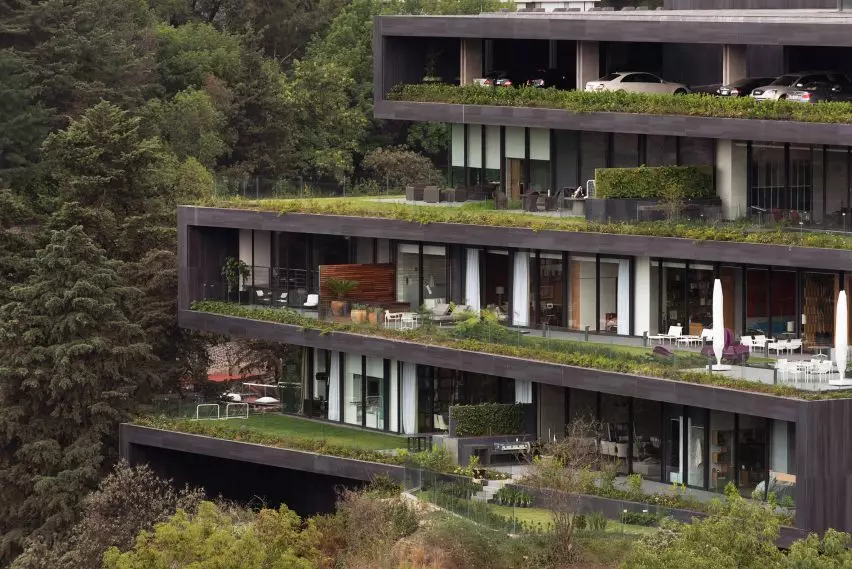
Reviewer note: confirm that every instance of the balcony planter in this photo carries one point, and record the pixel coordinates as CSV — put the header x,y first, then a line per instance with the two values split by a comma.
x,y
627,210
358,314
340,288
374,315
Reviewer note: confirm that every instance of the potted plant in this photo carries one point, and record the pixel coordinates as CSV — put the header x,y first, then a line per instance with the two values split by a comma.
x,y
358,314
233,271
375,314
340,288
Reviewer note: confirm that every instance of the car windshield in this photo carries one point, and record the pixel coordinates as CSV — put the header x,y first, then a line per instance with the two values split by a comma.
x,y
610,77
785,80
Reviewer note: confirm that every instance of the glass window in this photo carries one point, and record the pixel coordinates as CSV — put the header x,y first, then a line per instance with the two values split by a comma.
x,y
767,177
425,398
615,416
353,402
757,308
497,271
614,312
582,405
540,176
319,404
721,450
700,298
374,400
751,453
435,285
593,152
661,150
673,300
647,447
782,461
407,274
732,290
625,151
582,291
818,308
674,435
551,293
697,449
783,306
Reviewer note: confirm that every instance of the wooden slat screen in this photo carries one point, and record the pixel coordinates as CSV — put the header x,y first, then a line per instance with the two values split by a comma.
x,y
376,283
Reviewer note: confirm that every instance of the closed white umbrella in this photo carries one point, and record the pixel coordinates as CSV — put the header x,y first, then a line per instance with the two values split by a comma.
x,y
718,325
841,340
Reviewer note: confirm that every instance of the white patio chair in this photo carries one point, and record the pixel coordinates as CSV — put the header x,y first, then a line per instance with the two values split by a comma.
x,y
393,319
782,367
795,344
673,334
822,370
409,320
778,346
689,340
747,341
761,341
312,301
706,335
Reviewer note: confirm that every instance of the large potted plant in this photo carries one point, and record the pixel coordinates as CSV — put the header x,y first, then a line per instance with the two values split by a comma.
x,y
233,270
340,288
375,315
358,314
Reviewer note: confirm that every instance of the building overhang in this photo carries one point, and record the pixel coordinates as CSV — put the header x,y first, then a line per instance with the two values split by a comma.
x,y
749,27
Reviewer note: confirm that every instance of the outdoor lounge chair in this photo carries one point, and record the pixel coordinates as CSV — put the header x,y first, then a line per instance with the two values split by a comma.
x,y
732,353
312,301
673,334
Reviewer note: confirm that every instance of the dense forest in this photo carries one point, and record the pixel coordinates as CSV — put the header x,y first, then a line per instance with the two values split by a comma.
x,y
111,114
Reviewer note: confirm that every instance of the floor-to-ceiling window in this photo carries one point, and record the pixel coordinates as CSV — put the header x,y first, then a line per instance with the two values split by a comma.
x,y
353,400
699,298
582,293
722,435
318,406
673,290
408,274
675,444
647,446
615,421
818,307
435,274
497,278
551,288
374,396
696,428
751,452
783,302
757,302
614,296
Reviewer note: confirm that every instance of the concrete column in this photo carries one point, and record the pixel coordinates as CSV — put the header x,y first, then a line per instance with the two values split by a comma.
x,y
471,60
734,63
646,297
731,178
588,62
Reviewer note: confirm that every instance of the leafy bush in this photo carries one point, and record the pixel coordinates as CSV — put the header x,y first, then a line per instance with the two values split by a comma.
x,y
438,459
399,166
640,518
596,521
655,183
487,419
622,102
511,496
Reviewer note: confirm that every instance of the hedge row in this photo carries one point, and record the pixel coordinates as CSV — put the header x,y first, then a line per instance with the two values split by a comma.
x,y
655,183
621,102
733,232
487,419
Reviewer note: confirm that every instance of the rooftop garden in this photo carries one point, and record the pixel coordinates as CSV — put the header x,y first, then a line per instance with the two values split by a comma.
x,y
480,213
621,102
486,335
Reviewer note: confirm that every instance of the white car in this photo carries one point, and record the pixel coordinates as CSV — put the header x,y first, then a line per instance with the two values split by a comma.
x,y
636,82
783,86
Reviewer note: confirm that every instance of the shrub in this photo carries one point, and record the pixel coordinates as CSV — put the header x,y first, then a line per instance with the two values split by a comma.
x,y
640,518
668,183
437,459
399,166
511,496
487,419
596,521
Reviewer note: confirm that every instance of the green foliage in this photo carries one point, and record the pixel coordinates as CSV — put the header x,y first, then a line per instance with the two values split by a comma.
x,y
564,352
511,496
340,288
235,432
431,138
596,521
70,362
487,419
623,102
275,539
187,55
384,486
398,167
233,271
437,459
661,182
647,519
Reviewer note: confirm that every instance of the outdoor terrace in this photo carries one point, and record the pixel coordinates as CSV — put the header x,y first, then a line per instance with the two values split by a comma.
x,y
470,332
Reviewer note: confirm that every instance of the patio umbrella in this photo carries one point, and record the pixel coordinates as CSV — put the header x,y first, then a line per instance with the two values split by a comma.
x,y
841,340
718,325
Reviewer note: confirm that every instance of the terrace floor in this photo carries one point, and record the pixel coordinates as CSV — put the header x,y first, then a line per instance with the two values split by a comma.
x,y
479,205
288,425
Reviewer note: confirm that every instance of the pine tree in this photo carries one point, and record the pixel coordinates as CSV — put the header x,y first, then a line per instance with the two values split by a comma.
x,y
70,361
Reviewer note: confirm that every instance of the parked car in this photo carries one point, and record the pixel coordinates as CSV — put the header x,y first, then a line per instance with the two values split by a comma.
x,y
494,79
817,92
636,82
544,78
782,86
743,87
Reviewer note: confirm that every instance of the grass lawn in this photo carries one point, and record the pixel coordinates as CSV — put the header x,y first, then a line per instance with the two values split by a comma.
x,y
542,516
275,424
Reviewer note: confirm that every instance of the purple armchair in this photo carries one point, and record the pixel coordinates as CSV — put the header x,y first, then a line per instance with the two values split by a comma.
x,y
732,354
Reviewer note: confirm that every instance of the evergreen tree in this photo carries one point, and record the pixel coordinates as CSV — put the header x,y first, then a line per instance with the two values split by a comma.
x,y
16,242
70,361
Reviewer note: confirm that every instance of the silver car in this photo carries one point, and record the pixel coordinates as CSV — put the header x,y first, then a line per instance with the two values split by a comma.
x,y
785,85
636,82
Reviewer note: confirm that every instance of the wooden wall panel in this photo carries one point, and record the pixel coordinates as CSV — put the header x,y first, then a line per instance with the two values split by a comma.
x,y
376,283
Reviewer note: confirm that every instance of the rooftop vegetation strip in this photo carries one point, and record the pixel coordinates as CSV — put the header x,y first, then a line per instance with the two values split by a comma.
x,y
621,102
477,213
490,337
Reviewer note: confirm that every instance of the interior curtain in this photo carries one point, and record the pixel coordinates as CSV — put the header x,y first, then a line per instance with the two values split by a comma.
x,y
521,289
334,387
471,283
523,391
624,309
409,398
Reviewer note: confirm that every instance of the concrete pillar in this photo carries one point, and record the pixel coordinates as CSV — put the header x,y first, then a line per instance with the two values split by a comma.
x,y
588,62
646,297
734,63
471,60
731,178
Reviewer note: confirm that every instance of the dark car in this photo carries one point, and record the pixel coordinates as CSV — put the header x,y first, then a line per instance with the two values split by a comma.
x,y
495,79
544,78
743,87
818,92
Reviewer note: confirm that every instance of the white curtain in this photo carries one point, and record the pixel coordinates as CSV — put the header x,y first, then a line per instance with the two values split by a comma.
x,y
523,391
624,309
334,388
471,284
409,398
521,289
